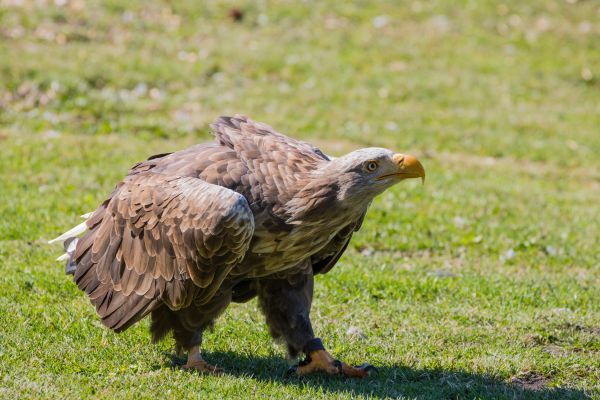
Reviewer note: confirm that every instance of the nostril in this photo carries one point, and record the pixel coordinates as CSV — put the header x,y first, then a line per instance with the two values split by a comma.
x,y
399,159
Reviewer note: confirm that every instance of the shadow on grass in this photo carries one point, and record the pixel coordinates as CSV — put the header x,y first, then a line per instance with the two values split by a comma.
x,y
395,381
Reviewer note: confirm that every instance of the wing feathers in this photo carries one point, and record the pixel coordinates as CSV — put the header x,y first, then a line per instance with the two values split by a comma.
x,y
157,235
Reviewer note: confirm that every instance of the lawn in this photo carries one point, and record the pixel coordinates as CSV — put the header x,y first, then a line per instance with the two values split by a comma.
x,y
483,283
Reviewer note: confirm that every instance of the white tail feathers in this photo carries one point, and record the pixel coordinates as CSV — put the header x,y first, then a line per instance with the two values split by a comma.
x,y
70,245
76,231
64,257
71,234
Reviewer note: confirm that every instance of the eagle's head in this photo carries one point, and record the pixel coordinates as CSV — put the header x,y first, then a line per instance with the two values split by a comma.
x,y
365,173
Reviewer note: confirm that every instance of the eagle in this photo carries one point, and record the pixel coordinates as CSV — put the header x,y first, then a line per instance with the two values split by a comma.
x,y
253,213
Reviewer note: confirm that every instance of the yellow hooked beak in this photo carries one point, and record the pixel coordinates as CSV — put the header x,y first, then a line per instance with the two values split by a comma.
x,y
408,167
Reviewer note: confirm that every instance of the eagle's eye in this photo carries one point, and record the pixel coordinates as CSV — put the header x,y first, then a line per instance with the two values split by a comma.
x,y
371,165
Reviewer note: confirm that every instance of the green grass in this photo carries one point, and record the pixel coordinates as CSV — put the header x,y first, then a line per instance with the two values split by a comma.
x,y
484,283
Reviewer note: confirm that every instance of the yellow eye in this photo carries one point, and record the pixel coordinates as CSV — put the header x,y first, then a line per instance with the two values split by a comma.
x,y
371,166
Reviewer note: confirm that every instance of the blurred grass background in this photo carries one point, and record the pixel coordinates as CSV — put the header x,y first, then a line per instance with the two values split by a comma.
x,y
484,283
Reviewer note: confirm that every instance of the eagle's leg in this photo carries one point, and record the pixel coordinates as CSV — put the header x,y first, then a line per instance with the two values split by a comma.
x,y
195,361
191,340
286,303
187,326
192,321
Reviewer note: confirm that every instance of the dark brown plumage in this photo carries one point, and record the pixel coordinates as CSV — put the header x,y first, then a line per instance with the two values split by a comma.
x,y
254,213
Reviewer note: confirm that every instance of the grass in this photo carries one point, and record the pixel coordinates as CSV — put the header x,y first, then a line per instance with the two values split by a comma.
x,y
484,283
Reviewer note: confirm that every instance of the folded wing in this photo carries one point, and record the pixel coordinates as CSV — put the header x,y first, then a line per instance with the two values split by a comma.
x,y
160,240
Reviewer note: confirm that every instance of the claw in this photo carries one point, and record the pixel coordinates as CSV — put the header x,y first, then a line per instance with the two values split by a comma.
x,y
368,368
291,371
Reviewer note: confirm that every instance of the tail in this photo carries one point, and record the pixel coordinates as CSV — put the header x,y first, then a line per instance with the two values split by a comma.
x,y
70,239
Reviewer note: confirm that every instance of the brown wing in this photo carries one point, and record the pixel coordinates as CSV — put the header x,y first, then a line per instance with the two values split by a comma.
x,y
325,260
254,140
248,157
276,166
160,239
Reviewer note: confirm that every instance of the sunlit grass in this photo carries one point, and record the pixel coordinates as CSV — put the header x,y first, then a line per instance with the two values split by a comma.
x,y
481,284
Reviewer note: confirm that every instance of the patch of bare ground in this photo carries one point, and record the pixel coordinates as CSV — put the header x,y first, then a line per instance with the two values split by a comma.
x,y
531,380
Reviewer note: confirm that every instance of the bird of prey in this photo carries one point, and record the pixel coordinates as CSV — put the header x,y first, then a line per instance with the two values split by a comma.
x,y
252,214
